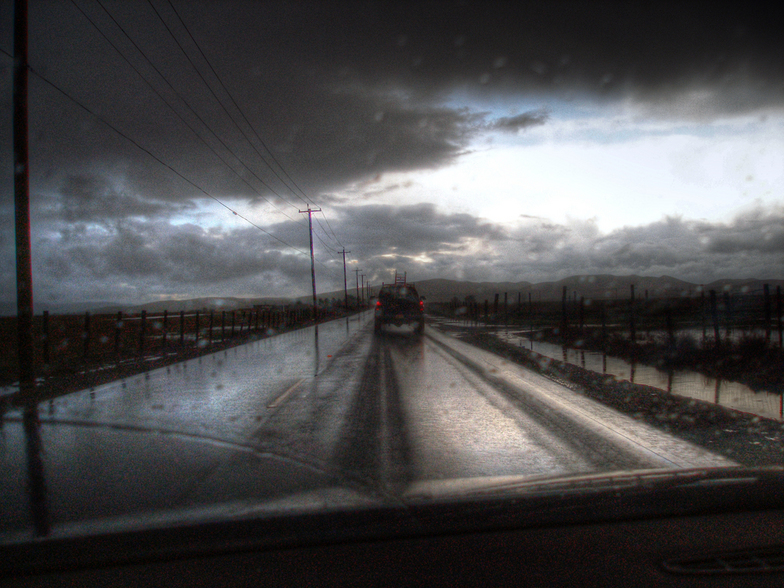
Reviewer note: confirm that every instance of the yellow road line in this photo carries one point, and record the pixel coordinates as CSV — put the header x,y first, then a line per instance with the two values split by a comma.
x,y
282,398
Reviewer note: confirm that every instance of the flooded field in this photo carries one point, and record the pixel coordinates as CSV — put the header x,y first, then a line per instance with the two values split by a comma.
x,y
682,382
685,383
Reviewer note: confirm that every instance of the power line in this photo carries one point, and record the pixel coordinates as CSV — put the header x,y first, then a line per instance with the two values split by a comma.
x,y
184,102
156,158
324,244
223,107
330,229
163,163
242,114
169,167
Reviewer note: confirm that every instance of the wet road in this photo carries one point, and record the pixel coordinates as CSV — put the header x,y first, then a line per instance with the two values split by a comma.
x,y
302,411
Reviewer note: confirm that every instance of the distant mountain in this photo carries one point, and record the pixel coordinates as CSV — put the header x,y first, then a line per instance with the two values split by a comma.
x,y
440,290
443,290
190,305
193,304
596,287
9,308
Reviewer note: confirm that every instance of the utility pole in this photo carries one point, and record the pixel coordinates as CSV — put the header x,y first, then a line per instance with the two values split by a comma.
x,y
310,212
362,276
24,279
345,287
24,271
357,273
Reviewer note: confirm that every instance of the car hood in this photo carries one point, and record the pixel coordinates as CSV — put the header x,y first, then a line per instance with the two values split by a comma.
x,y
88,478
85,475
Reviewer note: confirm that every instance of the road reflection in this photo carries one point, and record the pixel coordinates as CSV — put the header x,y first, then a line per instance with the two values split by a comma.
x,y
35,471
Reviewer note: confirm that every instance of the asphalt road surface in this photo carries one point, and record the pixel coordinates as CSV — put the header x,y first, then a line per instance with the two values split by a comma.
x,y
338,407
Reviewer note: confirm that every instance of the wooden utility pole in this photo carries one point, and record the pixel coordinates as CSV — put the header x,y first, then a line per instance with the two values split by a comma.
x,y
24,279
345,283
766,294
310,212
564,320
24,271
357,275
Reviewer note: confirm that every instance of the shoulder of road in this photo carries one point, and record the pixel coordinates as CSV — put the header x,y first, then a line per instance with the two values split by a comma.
x,y
745,438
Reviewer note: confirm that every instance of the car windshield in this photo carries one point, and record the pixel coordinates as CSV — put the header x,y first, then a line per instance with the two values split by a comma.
x,y
212,197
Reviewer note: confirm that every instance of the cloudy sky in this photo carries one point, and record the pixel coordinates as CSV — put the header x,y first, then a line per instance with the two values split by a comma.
x,y
461,140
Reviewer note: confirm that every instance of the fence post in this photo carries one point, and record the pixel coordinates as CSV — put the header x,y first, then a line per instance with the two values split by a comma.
x,y
766,291
631,318
212,319
142,326
117,334
715,318
223,326
564,323
196,342
46,341
86,335
727,315
182,328
232,324
165,326
704,321
495,309
670,329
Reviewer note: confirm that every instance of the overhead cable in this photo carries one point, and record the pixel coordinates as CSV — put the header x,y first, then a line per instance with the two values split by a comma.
x,y
159,160
186,104
304,197
223,107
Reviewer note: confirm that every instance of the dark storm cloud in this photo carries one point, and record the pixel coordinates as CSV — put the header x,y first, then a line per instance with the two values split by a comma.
x,y
344,91
143,259
695,251
522,121
412,230
93,198
459,246
754,232
359,136
157,257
